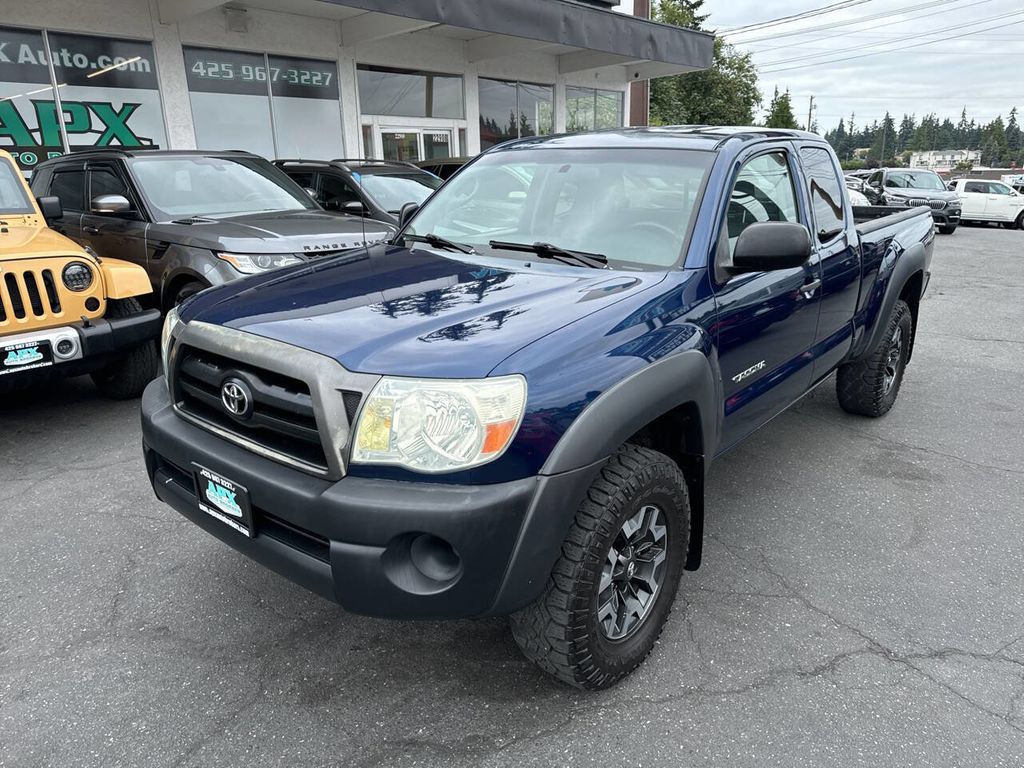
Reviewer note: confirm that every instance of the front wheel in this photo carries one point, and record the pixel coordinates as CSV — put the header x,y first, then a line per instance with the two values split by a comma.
x,y
129,374
947,229
611,591
870,386
1020,221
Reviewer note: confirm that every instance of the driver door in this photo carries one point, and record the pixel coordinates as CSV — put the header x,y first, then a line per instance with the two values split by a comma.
x,y
767,321
113,235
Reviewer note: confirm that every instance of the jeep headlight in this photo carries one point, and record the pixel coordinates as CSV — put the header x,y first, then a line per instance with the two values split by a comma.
x,y
439,425
171,323
254,263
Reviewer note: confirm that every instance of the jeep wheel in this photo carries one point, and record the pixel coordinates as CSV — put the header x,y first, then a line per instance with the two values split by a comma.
x,y
129,374
870,386
611,591
947,229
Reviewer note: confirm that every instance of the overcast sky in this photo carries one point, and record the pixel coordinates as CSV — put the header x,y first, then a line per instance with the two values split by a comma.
x,y
984,70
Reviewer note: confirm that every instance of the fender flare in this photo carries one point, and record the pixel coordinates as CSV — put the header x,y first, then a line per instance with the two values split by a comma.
x,y
912,261
620,412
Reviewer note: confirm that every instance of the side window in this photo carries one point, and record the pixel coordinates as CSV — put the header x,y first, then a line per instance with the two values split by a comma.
x,y
876,179
303,178
69,186
763,192
826,193
335,192
995,188
106,181
977,187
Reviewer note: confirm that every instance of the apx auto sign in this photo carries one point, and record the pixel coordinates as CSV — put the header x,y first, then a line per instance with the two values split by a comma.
x,y
108,94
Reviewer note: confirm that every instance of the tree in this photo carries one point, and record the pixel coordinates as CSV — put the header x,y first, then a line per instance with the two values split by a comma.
x,y
884,145
725,94
780,112
993,143
1014,139
906,133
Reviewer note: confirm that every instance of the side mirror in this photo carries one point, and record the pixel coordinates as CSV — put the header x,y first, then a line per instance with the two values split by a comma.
x,y
354,206
50,207
771,245
406,213
108,204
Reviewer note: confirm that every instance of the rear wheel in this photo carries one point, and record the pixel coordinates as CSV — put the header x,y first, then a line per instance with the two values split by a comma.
x,y
870,386
611,591
1020,220
128,375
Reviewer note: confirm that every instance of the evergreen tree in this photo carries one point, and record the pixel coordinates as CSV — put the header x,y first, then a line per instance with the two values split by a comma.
x,y
780,112
906,133
883,147
994,151
725,94
1014,139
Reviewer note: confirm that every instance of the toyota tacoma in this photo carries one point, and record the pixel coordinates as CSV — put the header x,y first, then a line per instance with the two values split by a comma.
x,y
514,415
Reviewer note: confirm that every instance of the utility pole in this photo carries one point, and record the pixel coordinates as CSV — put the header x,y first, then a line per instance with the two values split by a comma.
x,y
810,110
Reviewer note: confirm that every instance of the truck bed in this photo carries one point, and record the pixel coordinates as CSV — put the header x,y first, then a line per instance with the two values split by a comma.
x,y
871,218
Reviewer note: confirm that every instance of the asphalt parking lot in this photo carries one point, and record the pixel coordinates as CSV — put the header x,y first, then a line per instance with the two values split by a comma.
x,y
861,601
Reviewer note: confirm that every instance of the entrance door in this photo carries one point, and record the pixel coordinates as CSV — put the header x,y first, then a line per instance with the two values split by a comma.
x,y
409,145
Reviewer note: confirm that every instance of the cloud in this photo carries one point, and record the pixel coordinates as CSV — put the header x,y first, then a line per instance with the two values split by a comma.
x,y
980,71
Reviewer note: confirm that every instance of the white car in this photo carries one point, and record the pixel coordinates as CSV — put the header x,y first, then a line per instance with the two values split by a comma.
x,y
985,200
857,198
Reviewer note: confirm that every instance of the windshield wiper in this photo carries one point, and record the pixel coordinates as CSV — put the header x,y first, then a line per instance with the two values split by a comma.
x,y
439,242
549,251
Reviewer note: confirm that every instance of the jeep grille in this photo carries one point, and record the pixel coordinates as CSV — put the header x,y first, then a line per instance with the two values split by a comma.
x,y
28,294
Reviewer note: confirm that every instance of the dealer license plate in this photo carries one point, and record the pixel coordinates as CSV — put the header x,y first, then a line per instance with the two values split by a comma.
x,y
25,356
223,499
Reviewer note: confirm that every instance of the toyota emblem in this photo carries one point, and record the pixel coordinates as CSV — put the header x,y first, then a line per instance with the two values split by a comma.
x,y
237,398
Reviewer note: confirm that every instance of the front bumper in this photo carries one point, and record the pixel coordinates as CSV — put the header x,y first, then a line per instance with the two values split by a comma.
x,y
351,541
947,216
91,345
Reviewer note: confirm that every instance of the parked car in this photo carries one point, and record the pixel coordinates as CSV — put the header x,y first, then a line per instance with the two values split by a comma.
x,y
856,183
857,199
985,200
443,167
63,310
193,219
376,189
909,187
518,419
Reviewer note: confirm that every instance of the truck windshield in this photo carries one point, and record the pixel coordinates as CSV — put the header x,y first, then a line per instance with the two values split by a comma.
x,y
914,180
13,199
393,190
635,207
182,186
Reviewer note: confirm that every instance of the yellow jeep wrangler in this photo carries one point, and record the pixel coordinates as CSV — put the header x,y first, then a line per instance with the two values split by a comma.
x,y
64,309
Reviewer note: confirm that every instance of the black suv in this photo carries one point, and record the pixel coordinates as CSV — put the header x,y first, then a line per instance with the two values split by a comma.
x,y
912,187
376,189
442,167
193,219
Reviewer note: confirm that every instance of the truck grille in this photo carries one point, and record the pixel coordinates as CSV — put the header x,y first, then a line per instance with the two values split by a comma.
x,y
935,205
282,420
28,294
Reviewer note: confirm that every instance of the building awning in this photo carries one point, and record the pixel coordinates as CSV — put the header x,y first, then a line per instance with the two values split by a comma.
x,y
581,35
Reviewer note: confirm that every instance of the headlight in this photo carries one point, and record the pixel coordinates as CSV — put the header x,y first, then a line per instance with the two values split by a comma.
x,y
254,263
894,199
171,323
77,276
436,425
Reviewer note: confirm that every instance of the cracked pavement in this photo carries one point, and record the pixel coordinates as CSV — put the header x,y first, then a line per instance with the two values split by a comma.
x,y
861,601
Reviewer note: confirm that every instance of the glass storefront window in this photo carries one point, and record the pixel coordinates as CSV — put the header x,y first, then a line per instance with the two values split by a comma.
x,y
590,109
230,93
402,93
107,89
510,110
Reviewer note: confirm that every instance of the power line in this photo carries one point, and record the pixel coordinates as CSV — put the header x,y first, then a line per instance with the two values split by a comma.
x,y
919,36
848,22
894,23
895,50
795,17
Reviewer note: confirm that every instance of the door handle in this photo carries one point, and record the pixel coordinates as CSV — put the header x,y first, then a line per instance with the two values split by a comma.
x,y
808,289
90,230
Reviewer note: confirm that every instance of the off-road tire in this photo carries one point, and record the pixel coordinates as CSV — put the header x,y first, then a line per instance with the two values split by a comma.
x,y
128,375
947,229
560,632
862,385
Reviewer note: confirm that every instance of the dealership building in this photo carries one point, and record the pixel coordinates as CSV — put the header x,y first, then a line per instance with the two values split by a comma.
x,y
399,79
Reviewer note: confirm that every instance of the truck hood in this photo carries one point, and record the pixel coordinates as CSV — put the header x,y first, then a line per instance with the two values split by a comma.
x,y
413,312
308,232
25,238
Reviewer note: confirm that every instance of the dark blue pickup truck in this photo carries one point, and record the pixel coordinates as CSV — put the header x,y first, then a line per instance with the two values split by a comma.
x,y
511,407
